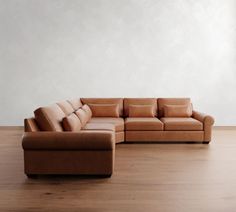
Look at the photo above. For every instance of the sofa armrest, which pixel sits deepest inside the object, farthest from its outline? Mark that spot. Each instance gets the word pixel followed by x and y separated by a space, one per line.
pixel 96 140
pixel 204 118
pixel 207 121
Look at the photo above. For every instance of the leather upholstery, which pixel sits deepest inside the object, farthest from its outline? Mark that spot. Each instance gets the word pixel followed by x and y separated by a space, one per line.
pixel 92 149
pixel 66 107
pixel 49 118
pixel 118 101
pixel 173 136
pixel 104 110
pixel 52 120
pixel 207 121
pixel 170 101
pixel 178 110
pixel 120 137
pixel 117 122
pixel 75 103
pixel 31 125
pixel 79 162
pixel 143 124
pixel 87 110
pixel 71 123
pixel 141 111
pixel 83 116
pixel 69 153
pixel 83 140
pixel 182 124
pixel 99 126
pixel 139 101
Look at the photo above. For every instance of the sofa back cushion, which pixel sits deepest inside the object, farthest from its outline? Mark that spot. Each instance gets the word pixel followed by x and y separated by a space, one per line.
pixel 171 101
pixel 71 123
pixel 141 111
pixel 87 110
pixel 115 101
pixel 75 103
pixel 49 118
pixel 66 107
pixel 30 125
pixel 105 110
pixel 83 116
pixel 178 110
pixel 139 101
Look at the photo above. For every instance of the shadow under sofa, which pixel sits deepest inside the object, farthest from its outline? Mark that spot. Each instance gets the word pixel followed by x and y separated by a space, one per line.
pixel 78 136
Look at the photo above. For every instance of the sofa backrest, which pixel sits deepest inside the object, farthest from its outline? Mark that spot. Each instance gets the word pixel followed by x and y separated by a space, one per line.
pixel 66 107
pixel 31 125
pixel 75 103
pixel 139 101
pixel 170 101
pixel 118 101
pixel 49 118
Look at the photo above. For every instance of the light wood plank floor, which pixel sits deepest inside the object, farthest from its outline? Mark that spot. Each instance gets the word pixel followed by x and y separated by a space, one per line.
pixel 148 177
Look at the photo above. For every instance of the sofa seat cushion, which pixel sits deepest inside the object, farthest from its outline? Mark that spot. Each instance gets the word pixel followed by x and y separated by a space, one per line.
pixel 99 126
pixel 143 124
pixel 117 122
pixel 182 124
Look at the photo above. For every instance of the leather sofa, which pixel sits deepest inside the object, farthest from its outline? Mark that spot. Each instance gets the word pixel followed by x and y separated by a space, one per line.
pixel 78 136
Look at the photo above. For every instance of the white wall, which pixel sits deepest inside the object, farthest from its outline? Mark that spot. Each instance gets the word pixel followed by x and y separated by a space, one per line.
pixel 53 50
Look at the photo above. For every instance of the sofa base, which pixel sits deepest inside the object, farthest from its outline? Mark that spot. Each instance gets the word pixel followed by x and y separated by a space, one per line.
pixel 32 176
pixel 39 162
pixel 154 136
pixel 35 176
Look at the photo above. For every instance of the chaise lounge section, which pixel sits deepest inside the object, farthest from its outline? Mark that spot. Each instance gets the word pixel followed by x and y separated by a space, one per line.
pixel 78 136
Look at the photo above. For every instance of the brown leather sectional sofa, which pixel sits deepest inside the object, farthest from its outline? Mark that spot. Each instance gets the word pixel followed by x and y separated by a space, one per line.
pixel 78 136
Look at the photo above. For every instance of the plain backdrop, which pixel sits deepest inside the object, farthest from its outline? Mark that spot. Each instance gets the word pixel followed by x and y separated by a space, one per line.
pixel 55 50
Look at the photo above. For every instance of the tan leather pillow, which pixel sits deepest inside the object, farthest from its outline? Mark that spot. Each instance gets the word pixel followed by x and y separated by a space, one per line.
pixel 83 116
pixel 178 110
pixel 87 110
pixel 104 110
pixel 141 111
pixel 66 107
pixel 75 103
pixel 71 123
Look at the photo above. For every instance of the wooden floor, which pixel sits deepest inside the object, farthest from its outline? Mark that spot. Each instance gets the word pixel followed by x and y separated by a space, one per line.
pixel 147 177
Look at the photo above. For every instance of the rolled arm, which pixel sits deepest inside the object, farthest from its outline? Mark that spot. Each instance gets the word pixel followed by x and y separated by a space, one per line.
pixel 207 121
pixel 204 118
pixel 96 140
